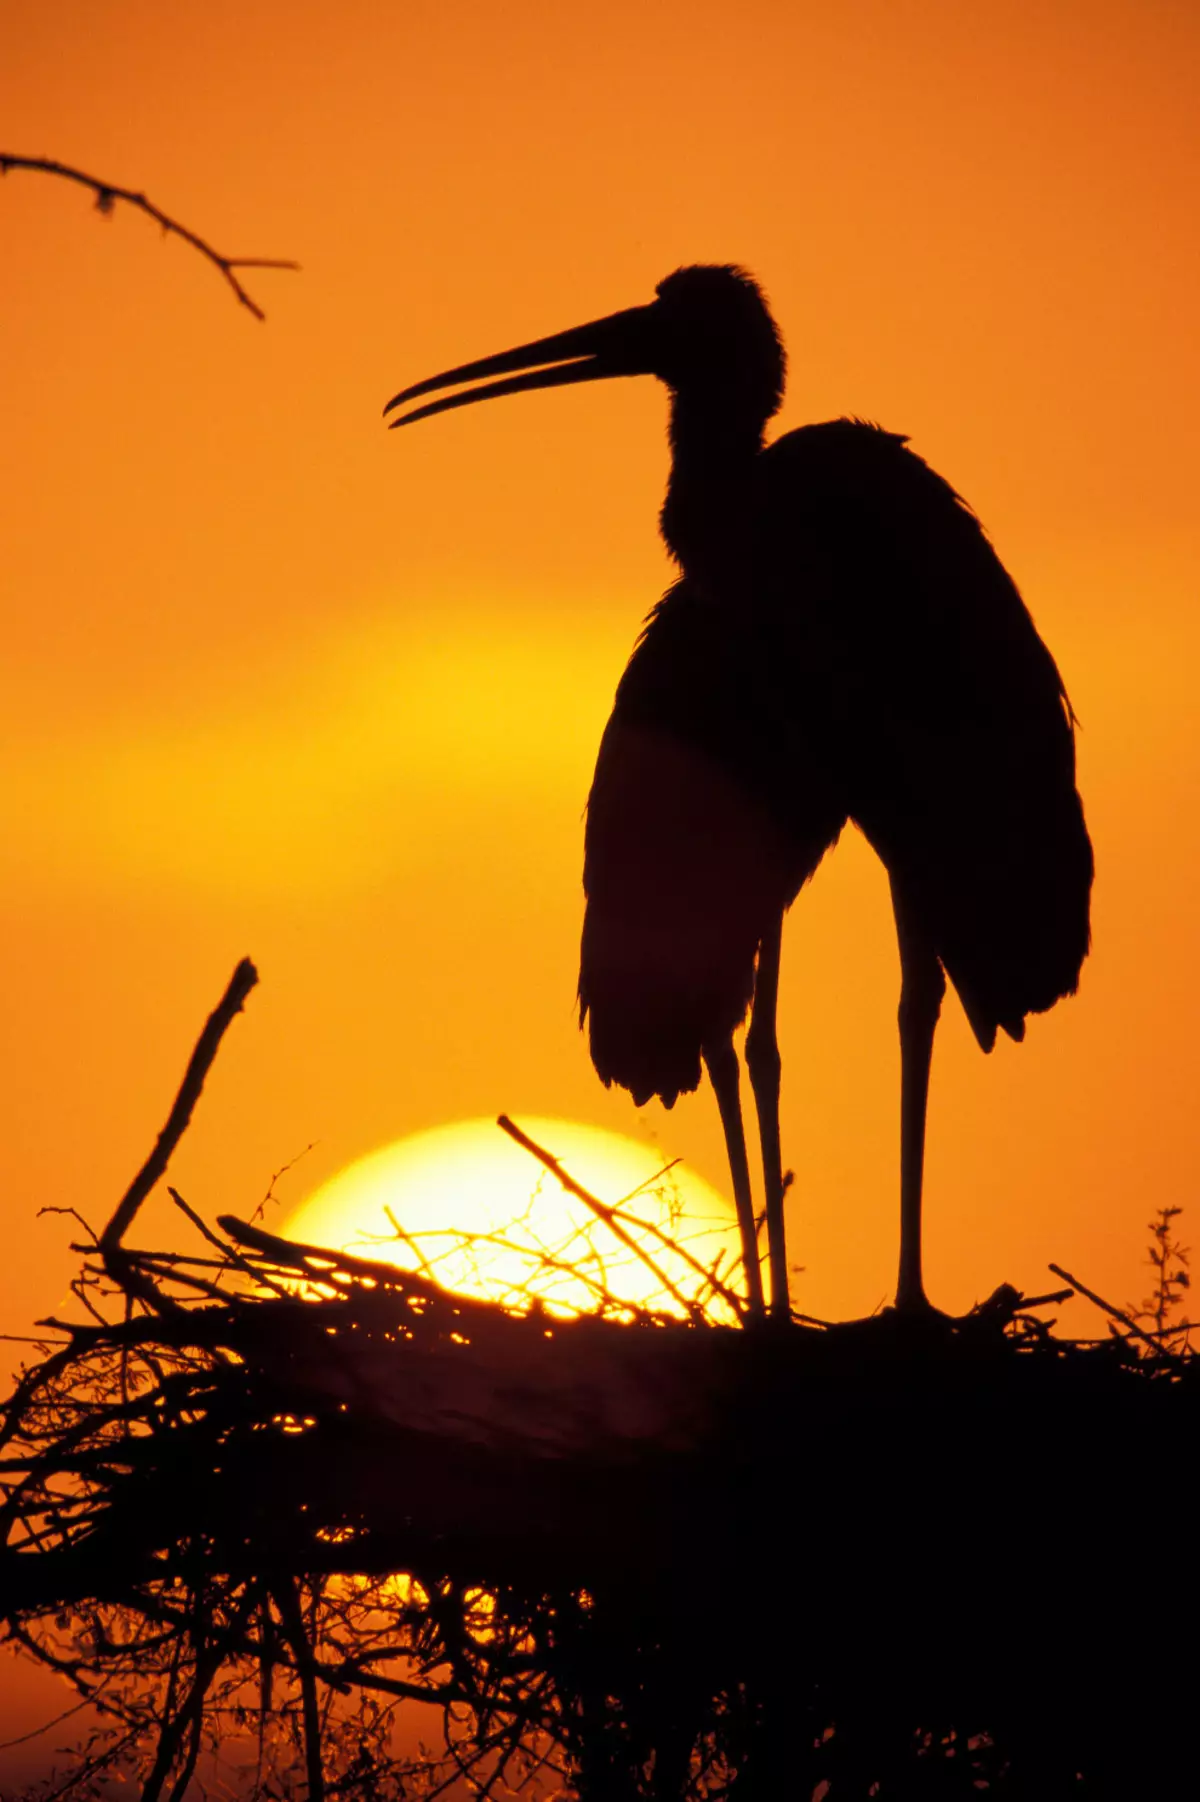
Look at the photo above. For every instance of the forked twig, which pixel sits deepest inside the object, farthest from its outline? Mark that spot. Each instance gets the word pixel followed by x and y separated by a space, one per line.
pixel 107 194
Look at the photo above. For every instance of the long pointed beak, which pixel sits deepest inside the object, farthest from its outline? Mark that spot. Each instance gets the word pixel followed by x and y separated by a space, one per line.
pixel 617 345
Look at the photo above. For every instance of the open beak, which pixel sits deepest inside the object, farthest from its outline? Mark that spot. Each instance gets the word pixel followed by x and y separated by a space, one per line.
pixel 617 345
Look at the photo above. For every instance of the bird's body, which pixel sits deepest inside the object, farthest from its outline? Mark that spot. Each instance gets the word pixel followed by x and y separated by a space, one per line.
pixel 844 645
pixel 881 668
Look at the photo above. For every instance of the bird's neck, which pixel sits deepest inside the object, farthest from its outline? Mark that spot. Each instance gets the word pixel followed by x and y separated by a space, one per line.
pixel 705 516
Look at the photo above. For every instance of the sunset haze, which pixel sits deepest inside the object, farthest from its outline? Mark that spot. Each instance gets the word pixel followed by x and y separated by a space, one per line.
pixel 278 683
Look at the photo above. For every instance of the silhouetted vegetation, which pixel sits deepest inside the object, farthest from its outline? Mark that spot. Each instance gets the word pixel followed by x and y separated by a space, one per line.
pixel 1168 1259
pixel 107 194
pixel 259 1498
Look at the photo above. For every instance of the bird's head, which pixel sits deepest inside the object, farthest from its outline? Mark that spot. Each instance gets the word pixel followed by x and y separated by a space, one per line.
pixel 716 340
pixel 708 336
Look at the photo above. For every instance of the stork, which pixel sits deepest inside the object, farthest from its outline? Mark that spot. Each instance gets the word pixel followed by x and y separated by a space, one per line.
pixel 844 644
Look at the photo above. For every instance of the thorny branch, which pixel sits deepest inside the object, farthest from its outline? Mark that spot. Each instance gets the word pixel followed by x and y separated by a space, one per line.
pixel 107 194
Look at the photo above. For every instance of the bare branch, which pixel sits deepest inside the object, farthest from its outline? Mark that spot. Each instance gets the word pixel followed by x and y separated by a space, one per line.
pixel 612 1219
pixel 107 194
pixel 270 1196
pixel 287 1601
pixel 230 1005
pixel 75 1215
pixel 230 1258
pixel 1131 1326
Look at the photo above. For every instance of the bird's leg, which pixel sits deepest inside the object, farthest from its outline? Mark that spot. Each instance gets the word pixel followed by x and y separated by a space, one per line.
pixel 922 986
pixel 722 1063
pixel 762 1061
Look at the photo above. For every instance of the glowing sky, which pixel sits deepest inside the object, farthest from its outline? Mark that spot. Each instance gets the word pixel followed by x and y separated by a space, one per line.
pixel 463 1195
pixel 275 682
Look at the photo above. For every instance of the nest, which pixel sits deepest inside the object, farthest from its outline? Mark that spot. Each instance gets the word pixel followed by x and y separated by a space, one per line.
pixel 264 1494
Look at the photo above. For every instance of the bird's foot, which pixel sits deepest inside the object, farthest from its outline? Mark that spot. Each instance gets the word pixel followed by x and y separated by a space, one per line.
pixel 991 1315
pixel 912 1320
pixel 912 1307
pixel 917 1320
pixel 999 1308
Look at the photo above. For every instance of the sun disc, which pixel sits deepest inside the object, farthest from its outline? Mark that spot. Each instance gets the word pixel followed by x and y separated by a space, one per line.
pixel 486 1219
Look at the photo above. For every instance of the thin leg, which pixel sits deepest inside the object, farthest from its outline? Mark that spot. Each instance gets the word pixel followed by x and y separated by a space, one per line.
pixel 922 986
pixel 722 1065
pixel 762 1061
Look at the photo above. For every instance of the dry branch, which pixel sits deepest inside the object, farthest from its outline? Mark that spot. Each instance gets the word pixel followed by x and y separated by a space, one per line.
pixel 1118 1314
pixel 107 194
pixel 615 1220
pixel 209 1043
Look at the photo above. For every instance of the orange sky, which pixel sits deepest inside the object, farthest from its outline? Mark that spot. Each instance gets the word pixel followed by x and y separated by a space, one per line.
pixel 276 682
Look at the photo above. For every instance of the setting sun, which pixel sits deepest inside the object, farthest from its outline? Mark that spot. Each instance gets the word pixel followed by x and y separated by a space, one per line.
pixel 475 1208
pixel 498 747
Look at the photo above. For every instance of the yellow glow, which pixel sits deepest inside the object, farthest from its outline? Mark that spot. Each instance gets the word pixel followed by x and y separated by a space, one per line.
pixel 374 724
pixel 472 1179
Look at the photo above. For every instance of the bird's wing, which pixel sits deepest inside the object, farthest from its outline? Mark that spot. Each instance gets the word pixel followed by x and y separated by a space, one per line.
pixel 689 852
pixel 942 708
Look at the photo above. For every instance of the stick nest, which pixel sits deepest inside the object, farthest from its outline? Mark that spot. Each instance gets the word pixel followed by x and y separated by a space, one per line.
pixel 264 1494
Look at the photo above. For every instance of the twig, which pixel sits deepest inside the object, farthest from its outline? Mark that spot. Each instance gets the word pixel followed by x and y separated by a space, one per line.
pixel 338 1270
pixel 1044 1301
pixel 424 1267
pixel 87 1226
pixel 608 1215
pixel 231 1259
pixel 298 1254
pixel 664 1170
pixel 1168 1332
pixel 537 1255
pixel 100 1761
pixel 207 1045
pixel 291 1620
pixel 40 1374
pixel 260 1211
pixel 107 194
pixel 187 1768
pixel 1131 1326
pixel 169 1268
pixel 718 1286
pixel 22 1739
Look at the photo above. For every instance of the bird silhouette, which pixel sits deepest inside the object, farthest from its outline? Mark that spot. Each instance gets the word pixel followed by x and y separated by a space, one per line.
pixel 844 645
